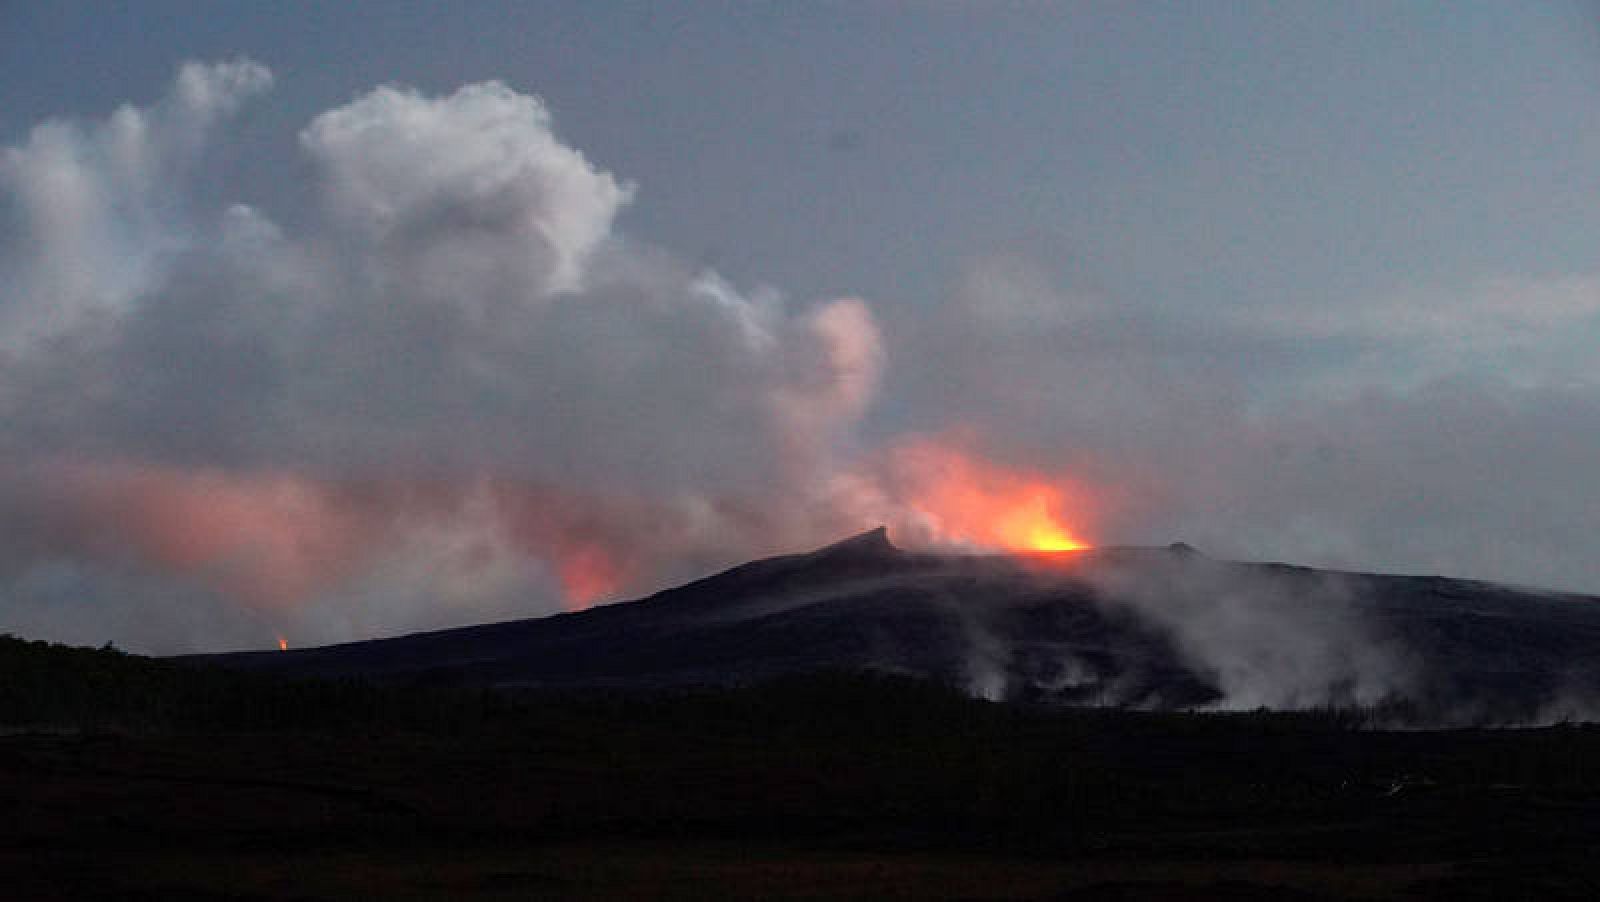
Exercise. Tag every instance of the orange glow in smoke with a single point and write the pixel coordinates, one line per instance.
(270, 539)
(960, 499)
(283, 644)
(588, 575)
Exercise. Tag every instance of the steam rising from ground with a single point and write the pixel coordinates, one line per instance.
(1275, 640)
(1257, 636)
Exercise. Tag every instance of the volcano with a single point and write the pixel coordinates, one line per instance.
(1126, 626)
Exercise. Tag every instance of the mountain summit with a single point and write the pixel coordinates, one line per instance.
(873, 542)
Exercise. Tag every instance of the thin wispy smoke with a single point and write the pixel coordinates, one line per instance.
(1278, 640)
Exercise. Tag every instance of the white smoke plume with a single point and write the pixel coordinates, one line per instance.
(454, 393)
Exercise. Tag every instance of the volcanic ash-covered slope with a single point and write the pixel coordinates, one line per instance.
(1163, 627)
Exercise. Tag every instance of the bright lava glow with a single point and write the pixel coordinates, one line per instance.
(1032, 527)
(283, 644)
(961, 499)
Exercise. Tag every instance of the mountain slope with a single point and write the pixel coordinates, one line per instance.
(1126, 626)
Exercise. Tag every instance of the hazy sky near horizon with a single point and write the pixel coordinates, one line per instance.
(387, 316)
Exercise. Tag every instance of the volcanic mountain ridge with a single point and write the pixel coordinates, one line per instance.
(1126, 626)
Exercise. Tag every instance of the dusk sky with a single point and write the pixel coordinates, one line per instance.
(336, 320)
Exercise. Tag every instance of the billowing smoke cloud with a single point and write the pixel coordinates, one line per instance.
(90, 209)
(453, 393)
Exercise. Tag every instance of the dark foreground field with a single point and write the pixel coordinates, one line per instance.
(122, 777)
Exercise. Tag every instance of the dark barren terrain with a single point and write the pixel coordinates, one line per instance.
(804, 727)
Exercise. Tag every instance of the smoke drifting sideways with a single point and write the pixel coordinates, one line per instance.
(452, 393)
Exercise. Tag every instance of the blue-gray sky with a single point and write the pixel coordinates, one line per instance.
(1315, 282)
